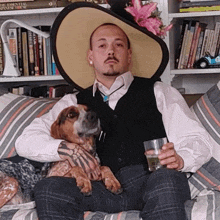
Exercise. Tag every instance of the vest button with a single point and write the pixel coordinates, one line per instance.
(115, 116)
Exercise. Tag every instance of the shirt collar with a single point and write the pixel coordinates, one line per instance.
(125, 78)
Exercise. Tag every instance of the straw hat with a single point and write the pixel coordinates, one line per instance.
(70, 36)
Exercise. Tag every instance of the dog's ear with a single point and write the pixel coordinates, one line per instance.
(55, 130)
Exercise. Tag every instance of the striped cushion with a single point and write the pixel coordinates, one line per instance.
(16, 112)
(205, 183)
(207, 109)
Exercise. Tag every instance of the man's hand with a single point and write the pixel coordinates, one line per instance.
(77, 156)
(170, 158)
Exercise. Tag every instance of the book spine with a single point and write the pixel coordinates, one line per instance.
(217, 45)
(215, 38)
(195, 48)
(45, 57)
(49, 57)
(12, 41)
(36, 55)
(1, 57)
(25, 51)
(204, 42)
(183, 46)
(192, 45)
(178, 50)
(32, 5)
(31, 53)
(200, 42)
(194, 9)
(20, 55)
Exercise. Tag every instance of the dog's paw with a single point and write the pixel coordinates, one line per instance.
(113, 185)
(84, 184)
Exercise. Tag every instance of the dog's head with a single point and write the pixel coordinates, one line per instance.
(75, 123)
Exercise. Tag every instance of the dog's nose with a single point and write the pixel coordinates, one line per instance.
(91, 116)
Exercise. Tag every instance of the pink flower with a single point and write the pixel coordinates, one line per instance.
(143, 17)
(140, 12)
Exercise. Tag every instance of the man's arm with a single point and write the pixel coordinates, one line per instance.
(36, 143)
(191, 141)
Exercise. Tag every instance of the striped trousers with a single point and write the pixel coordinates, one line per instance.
(159, 196)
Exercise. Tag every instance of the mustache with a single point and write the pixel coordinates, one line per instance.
(111, 58)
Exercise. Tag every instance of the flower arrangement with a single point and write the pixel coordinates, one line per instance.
(148, 16)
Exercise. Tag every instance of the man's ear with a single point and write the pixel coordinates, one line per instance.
(90, 57)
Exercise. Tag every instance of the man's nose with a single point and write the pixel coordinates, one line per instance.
(111, 51)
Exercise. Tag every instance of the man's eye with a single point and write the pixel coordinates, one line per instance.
(119, 45)
(102, 46)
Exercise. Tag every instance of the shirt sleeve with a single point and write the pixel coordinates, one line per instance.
(191, 140)
(35, 142)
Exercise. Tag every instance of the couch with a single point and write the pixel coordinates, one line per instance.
(16, 112)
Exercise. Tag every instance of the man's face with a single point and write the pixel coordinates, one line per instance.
(109, 54)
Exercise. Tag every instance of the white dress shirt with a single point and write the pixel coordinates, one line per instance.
(191, 141)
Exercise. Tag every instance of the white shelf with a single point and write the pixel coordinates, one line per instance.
(30, 78)
(37, 11)
(195, 71)
(31, 11)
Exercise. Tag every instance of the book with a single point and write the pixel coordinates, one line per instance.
(188, 42)
(60, 90)
(47, 51)
(192, 48)
(215, 39)
(183, 45)
(1, 57)
(12, 42)
(199, 3)
(25, 51)
(36, 55)
(33, 4)
(180, 42)
(31, 53)
(40, 52)
(193, 57)
(217, 49)
(20, 53)
(209, 42)
(200, 41)
(199, 9)
(205, 40)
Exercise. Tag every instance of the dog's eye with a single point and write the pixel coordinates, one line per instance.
(72, 114)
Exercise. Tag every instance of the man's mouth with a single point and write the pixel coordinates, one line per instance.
(111, 60)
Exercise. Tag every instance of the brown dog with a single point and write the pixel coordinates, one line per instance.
(79, 122)
(71, 124)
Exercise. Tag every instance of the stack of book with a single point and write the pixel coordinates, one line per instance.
(43, 91)
(199, 5)
(31, 52)
(195, 41)
(7, 5)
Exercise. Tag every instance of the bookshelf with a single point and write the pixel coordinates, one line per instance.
(192, 80)
(33, 17)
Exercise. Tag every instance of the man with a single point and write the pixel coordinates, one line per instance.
(131, 110)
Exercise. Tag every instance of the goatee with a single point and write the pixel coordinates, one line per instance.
(111, 74)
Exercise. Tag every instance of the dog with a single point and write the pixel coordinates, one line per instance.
(80, 122)
(72, 123)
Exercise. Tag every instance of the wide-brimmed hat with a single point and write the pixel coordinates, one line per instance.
(70, 36)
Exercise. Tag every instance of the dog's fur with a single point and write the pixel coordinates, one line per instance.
(71, 124)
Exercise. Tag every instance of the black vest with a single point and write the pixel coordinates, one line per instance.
(135, 119)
